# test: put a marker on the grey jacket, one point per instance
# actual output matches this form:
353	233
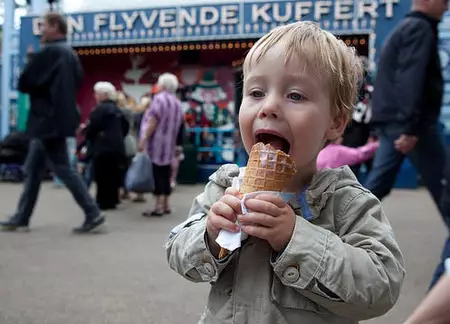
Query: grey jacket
342	264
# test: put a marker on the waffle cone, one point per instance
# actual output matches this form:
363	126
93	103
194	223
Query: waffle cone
267	169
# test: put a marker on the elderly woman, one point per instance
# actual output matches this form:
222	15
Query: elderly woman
159	131
105	132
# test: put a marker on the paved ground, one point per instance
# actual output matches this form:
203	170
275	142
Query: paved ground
49	276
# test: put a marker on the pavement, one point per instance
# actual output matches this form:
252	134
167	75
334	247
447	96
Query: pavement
49	276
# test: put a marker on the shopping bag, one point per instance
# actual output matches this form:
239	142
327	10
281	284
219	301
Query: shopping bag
131	146
139	178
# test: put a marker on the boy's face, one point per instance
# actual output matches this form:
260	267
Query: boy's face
287	106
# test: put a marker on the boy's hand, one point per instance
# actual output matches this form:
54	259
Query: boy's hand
269	218
223	215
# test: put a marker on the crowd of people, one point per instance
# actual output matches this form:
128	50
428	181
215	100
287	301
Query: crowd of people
329	254
115	132
112	135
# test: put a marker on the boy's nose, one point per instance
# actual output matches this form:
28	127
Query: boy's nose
269	109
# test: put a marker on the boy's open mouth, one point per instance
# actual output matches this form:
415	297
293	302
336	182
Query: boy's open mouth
274	139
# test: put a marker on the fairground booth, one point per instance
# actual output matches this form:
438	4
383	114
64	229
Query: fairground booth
204	45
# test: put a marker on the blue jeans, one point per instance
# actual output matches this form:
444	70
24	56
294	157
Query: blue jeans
88	174
53	153
71	147
428	157
440	270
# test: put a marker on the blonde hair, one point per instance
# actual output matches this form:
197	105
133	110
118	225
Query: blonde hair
330	58
168	82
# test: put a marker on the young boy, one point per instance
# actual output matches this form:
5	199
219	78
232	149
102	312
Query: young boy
328	256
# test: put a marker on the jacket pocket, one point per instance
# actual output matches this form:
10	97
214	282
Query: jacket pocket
291	299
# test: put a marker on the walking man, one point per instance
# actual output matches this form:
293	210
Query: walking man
52	78
406	102
406	106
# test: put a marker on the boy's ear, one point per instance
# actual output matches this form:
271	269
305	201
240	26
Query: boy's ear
337	127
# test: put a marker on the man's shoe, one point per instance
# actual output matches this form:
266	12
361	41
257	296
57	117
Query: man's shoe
12	226
90	225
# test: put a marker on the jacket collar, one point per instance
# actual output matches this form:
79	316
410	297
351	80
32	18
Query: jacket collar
432	21
313	199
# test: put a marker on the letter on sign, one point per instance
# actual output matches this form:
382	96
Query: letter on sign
99	21
208	16
367	7
186	17
321	8
167	18
148	21
229	15
75	25
113	26
302	9
277	12
261	12
389	4
130	19
343	10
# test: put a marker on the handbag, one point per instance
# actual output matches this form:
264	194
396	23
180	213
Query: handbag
131	146
139	177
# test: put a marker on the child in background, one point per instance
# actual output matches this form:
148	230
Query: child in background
335	154
329	255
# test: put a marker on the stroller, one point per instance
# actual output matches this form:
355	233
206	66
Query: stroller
13	153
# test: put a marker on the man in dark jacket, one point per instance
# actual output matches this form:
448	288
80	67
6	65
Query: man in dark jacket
406	102
52	78
406	105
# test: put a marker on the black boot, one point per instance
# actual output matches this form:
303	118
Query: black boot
12	225
90	225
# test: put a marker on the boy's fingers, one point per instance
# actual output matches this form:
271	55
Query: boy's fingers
256	231
218	222
264	207
254	218
233	192
233	202
274	199
224	210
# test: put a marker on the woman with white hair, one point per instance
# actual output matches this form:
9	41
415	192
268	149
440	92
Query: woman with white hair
159	131
105	133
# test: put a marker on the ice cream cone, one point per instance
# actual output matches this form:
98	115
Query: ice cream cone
267	169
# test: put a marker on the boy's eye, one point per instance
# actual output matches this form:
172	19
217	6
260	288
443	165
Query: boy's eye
295	96
257	94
